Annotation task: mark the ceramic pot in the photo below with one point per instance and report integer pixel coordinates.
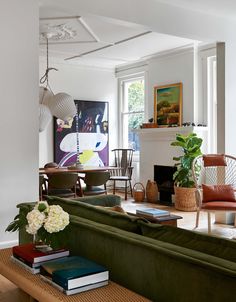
(151, 191)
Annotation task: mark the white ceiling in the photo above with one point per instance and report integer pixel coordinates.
(121, 42)
(223, 8)
(99, 41)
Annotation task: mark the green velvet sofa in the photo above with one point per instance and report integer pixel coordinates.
(162, 263)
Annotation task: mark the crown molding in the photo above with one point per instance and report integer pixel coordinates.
(189, 48)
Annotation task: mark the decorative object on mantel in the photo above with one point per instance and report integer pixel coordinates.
(149, 125)
(60, 105)
(138, 192)
(184, 184)
(168, 105)
(151, 191)
(46, 223)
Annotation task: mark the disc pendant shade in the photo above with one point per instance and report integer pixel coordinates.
(62, 106)
(45, 117)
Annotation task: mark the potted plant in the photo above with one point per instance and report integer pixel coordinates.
(183, 178)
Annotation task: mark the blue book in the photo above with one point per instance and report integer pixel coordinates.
(74, 272)
(152, 212)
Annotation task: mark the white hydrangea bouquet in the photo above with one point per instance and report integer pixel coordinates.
(46, 223)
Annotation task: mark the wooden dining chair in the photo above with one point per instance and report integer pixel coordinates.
(95, 183)
(62, 184)
(123, 172)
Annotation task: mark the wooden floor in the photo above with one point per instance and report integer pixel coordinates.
(10, 293)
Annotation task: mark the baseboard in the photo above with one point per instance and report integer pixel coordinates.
(6, 244)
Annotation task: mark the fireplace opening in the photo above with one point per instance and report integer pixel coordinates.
(163, 176)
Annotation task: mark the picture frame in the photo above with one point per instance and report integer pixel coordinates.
(168, 105)
(86, 136)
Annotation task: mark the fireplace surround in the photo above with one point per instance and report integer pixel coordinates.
(155, 148)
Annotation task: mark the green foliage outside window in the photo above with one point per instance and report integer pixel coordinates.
(136, 103)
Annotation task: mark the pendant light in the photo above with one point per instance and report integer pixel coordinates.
(45, 115)
(60, 105)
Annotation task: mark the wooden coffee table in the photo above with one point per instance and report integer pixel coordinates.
(35, 289)
(169, 220)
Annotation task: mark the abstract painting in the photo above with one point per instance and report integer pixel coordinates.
(85, 137)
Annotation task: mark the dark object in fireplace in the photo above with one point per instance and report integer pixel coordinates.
(163, 175)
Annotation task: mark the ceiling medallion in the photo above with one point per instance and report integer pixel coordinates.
(57, 32)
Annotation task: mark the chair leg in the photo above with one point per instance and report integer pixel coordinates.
(105, 188)
(80, 193)
(197, 218)
(125, 190)
(114, 187)
(131, 191)
(209, 222)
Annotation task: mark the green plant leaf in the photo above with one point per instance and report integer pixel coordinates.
(191, 148)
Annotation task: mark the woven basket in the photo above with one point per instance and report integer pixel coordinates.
(151, 191)
(138, 193)
(185, 199)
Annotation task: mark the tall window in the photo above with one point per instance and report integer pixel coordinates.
(209, 95)
(212, 102)
(132, 110)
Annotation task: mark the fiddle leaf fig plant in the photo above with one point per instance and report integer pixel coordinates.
(191, 147)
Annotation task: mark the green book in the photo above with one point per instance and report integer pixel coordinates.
(73, 272)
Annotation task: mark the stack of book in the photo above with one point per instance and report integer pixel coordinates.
(152, 213)
(73, 275)
(31, 258)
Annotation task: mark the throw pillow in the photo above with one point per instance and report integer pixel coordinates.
(214, 160)
(218, 193)
(116, 209)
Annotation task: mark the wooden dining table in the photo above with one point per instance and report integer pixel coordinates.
(83, 169)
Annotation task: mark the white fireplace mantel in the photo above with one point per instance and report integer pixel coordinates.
(155, 148)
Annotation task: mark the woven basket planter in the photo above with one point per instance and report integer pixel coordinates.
(185, 199)
(138, 192)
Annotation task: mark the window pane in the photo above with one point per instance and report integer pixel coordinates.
(134, 96)
(134, 122)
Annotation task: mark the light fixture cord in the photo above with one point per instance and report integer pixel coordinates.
(44, 78)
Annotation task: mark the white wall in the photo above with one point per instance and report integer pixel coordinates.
(168, 19)
(19, 109)
(83, 83)
(169, 69)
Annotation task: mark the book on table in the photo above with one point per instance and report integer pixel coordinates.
(31, 269)
(30, 255)
(75, 272)
(75, 290)
(152, 212)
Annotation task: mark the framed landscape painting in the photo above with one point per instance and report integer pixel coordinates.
(168, 105)
(85, 137)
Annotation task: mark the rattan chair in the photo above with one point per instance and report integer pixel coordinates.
(214, 170)
(62, 184)
(95, 183)
(123, 172)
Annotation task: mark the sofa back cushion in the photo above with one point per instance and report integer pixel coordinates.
(101, 200)
(218, 247)
(97, 214)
